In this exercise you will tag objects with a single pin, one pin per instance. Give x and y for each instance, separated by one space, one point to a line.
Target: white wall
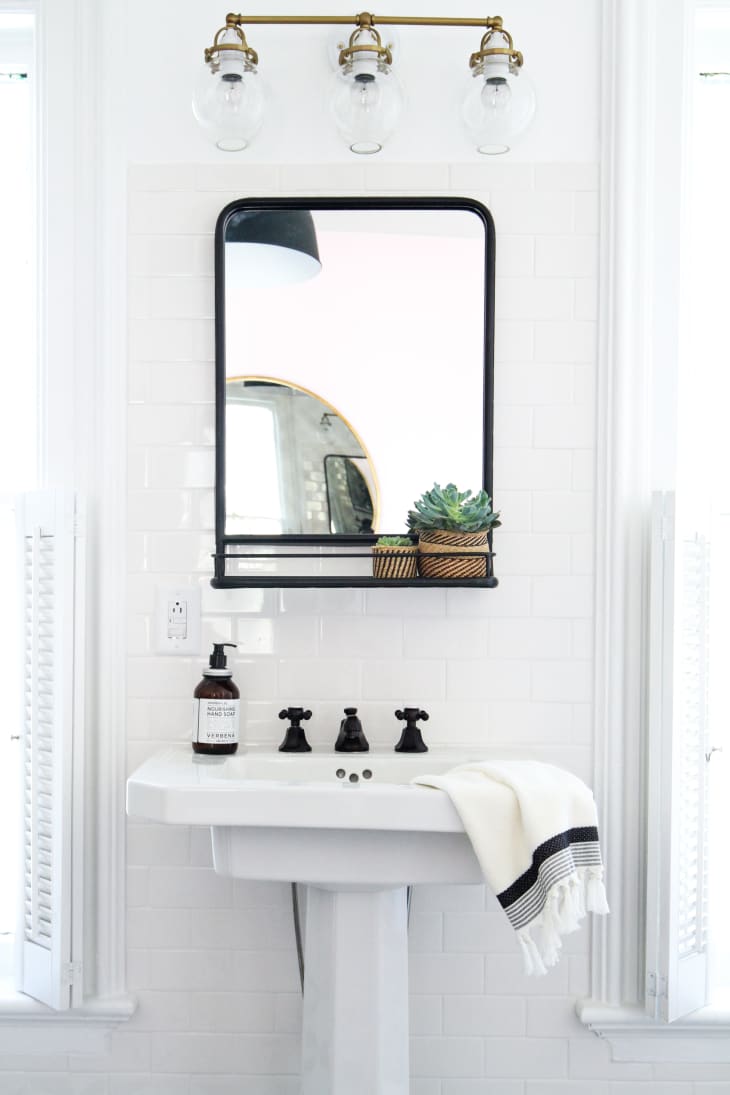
213 962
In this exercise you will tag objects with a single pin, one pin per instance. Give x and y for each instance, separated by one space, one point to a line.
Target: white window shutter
47 557
678 785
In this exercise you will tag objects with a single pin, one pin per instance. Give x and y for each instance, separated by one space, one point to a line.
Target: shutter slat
677 901
47 560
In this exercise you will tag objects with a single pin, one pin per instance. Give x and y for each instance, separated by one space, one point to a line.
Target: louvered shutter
679 744
46 527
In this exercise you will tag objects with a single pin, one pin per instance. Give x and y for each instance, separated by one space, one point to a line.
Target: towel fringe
596 901
530 954
567 903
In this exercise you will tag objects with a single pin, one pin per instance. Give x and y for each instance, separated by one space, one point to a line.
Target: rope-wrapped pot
452 558
395 562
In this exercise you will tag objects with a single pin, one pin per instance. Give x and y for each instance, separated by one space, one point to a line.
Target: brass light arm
364 19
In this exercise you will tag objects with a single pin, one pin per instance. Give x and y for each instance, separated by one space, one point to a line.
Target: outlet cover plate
177 620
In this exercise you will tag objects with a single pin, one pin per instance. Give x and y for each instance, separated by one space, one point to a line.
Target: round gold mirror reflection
294 464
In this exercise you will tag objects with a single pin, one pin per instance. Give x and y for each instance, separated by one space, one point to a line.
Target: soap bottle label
216 722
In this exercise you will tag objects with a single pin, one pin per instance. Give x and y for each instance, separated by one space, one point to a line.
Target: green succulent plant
395 541
453 510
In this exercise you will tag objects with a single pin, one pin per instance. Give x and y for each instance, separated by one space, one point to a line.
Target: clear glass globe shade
229 105
497 110
366 106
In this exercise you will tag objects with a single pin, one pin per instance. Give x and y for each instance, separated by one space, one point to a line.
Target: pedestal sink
356 833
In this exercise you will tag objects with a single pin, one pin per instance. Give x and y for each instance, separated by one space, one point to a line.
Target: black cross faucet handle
295 714
295 740
411 740
412 714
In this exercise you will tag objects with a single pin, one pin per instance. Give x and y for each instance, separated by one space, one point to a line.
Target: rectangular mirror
354 368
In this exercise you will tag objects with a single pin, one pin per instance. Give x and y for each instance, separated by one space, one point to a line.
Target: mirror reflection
295 464
381 308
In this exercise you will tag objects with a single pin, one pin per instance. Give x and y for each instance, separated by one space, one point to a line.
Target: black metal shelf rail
223 580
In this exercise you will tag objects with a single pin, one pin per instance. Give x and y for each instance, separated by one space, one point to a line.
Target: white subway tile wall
212 961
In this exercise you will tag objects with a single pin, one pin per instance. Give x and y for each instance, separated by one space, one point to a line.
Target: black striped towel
534 831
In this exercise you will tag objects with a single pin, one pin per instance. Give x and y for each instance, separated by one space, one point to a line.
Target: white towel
534 831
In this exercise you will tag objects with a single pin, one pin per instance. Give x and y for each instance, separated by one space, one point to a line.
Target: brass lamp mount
496 31
213 53
365 39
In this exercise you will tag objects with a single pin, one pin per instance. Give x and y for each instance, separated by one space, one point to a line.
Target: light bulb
364 100
496 95
366 103
229 102
498 107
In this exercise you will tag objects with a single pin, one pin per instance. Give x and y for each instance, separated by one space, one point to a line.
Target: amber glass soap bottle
215 724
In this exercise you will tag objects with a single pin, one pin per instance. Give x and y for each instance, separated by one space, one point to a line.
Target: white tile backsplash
175 297
485 1016
530 298
533 213
447 1056
213 960
492 175
562 341
566 257
169 256
516 256
531 469
586 211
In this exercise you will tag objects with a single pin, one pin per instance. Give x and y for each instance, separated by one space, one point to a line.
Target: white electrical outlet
177 620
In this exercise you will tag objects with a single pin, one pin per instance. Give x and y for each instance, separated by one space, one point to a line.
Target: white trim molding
633 1036
643 106
95 357
27 1027
82 317
623 482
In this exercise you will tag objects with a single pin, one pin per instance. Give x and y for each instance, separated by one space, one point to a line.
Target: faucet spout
351 738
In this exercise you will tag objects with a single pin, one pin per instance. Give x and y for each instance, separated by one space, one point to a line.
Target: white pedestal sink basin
352 828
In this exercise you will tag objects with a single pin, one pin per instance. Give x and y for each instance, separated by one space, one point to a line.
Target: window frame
642 186
82 392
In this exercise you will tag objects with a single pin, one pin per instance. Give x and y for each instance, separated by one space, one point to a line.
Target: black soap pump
215 726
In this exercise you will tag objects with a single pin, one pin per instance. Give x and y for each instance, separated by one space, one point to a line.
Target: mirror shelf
350 376
328 581
355 571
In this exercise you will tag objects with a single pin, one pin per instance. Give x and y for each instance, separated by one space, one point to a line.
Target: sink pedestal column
355 1025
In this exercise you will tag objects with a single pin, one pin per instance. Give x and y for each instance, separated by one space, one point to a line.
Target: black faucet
411 740
351 738
295 740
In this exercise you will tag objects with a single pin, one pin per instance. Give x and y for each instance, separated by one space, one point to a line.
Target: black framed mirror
354 368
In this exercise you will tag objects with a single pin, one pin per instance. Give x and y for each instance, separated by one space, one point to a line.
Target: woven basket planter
451 559
395 562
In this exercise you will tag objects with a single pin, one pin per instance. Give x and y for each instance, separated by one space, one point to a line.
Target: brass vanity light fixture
366 98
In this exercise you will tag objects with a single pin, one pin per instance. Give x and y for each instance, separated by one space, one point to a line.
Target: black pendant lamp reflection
270 247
